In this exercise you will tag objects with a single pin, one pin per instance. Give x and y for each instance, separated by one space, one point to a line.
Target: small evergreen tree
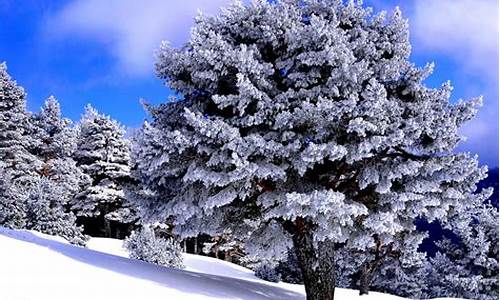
103 155
403 273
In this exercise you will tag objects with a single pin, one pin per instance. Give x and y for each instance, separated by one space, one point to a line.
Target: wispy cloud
466 30
463 31
130 29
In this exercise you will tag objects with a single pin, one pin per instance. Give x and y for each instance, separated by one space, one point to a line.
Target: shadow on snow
185 281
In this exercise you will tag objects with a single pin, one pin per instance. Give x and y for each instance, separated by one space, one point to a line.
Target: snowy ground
34 266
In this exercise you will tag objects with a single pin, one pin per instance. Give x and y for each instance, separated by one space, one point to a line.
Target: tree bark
316 263
371 267
107 228
365 280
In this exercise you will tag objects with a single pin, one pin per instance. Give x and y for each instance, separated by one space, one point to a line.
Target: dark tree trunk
107 228
316 263
365 280
371 267
227 256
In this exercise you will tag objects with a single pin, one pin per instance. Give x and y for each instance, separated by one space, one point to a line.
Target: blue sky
101 52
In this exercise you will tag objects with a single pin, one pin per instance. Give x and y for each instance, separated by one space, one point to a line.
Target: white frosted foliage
102 153
15 140
298 119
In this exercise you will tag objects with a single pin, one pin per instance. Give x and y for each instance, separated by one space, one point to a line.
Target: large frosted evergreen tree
18 167
48 196
37 174
103 154
304 123
55 146
14 127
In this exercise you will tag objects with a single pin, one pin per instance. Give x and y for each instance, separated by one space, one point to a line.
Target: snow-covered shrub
267 272
145 245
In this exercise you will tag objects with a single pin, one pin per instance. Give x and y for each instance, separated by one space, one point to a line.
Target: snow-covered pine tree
14 125
56 138
12 201
48 196
403 273
103 154
18 166
45 211
467 267
382 267
55 145
304 122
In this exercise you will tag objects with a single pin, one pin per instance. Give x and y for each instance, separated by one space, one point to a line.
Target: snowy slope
34 266
194 263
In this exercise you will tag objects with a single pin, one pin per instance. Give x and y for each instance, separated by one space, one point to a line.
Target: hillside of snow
36 266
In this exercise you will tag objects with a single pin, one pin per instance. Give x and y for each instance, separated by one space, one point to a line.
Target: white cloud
131 29
466 30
